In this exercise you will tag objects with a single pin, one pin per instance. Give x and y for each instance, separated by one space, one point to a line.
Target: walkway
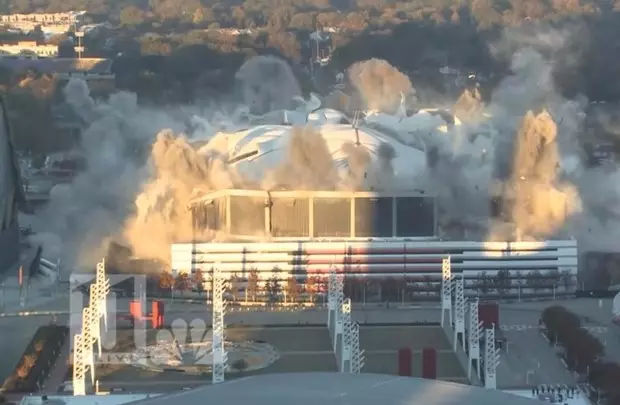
59 372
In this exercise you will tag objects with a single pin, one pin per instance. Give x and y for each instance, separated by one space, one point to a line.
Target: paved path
57 376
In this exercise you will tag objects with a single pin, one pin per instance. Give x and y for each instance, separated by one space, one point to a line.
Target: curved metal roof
339 389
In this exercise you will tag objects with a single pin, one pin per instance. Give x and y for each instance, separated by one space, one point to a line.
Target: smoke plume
267 83
308 166
380 84
146 164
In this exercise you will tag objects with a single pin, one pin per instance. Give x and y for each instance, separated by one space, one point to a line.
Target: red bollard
157 314
404 362
135 310
429 363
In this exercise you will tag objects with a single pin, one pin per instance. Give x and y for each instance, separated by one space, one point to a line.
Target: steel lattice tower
459 311
474 329
358 359
446 289
219 310
83 356
347 338
332 298
87 342
491 359
103 289
79 366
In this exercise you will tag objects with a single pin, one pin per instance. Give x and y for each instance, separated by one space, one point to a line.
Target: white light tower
446 289
347 338
103 289
95 317
83 356
332 297
87 343
491 359
474 328
459 311
358 360
219 310
335 299
79 366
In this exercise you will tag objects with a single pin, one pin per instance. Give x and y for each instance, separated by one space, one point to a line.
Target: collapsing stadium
378 236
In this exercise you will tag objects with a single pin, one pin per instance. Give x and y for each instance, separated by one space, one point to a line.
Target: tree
131 15
302 21
273 289
252 287
292 289
567 279
166 281
202 15
311 287
533 280
484 284
553 279
429 284
181 282
502 281
199 280
233 286
559 320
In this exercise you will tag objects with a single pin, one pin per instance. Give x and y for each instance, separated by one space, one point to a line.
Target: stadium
378 221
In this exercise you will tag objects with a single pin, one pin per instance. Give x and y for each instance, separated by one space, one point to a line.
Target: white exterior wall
377 258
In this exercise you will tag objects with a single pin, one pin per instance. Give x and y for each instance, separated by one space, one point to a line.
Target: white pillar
491 359
446 289
220 357
459 311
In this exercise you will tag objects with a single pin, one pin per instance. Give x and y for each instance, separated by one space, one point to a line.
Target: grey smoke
358 161
267 83
309 164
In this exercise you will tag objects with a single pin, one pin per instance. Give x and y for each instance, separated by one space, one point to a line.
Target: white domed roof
259 149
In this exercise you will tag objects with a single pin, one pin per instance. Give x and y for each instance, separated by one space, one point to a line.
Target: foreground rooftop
339 389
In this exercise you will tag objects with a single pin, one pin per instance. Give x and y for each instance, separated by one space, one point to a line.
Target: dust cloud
521 146
380 85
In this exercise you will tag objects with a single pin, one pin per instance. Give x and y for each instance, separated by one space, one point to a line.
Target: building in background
28 49
49 23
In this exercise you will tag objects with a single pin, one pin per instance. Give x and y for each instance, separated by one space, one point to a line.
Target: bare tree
568 279
533 280
292 289
182 282
502 281
233 286
484 283
311 288
166 281
252 287
198 279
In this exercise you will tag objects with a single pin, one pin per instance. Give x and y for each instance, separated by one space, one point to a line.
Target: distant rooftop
60 65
